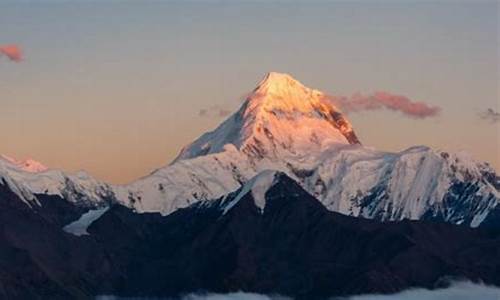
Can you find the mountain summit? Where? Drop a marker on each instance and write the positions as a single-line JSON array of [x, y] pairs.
[[280, 117]]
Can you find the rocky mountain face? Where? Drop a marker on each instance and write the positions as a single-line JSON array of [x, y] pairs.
[[269, 236], [38, 260]]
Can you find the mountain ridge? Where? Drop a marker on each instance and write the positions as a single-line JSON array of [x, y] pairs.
[[347, 177], [287, 127]]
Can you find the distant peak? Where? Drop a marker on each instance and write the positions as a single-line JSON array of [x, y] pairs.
[[28, 165]]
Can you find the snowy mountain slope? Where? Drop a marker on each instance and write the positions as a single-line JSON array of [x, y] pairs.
[[257, 186], [28, 165], [287, 127], [79, 227], [280, 121], [413, 184], [29, 179], [281, 117]]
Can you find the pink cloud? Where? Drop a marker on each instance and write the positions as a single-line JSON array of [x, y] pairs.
[[13, 52], [385, 100]]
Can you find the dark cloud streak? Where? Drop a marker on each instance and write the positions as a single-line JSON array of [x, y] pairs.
[[214, 111], [490, 115]]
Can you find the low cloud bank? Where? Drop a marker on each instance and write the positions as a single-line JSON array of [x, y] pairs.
[[229, 296], [456, 291]]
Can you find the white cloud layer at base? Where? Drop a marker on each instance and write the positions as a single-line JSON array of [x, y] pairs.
[[456, 291]]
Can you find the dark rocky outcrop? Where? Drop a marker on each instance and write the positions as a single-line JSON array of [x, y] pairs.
[[293, 247]]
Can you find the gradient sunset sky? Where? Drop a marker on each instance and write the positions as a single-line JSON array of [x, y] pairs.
[[117, 88]]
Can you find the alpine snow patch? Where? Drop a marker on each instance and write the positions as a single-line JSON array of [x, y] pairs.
[[257, 186]]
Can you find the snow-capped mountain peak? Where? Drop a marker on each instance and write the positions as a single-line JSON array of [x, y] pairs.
[[29, 178], [282, 90], [28, 165], [280, 117]]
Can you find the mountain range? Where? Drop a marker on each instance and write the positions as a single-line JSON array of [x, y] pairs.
[[281, 198], [283, 125]]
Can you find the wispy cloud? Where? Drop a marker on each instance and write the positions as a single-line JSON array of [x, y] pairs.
[[490, 115], [214, 111], [12, 52], [385, 100]]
